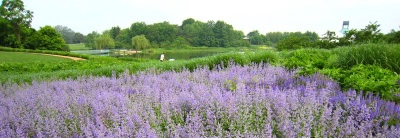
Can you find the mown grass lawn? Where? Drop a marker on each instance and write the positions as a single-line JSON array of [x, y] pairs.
[[19, 57], [80, 46]]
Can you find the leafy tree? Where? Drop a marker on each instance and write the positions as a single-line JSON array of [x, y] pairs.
[[89, 39], [78, 38], [15, 22], [162, 32], [294, 42], [329, 40], [66, 33], [138, 28], [370, 34], [312, 35], [256, 38], [274, 37], [179, 42], [393, 37], [123, 40], [114, 32], [193, 33], [104, 41], [47, 38], [188, 22], [140, 42]]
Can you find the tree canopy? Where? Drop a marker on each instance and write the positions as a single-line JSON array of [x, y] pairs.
[[15, 23], [47, 38], [140, 42]]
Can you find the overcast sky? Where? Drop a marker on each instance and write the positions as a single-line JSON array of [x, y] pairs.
[[85, 16]]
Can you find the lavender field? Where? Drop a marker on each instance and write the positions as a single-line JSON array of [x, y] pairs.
[[249, 101]]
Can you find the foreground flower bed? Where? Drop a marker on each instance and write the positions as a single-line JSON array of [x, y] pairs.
[[250, 101]]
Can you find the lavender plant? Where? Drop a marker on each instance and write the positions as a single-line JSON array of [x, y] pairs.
[[238, 101]]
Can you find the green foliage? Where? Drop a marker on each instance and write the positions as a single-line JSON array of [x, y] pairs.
[[306, 58], [66, 33], [295, 42], [64, 53], [89, 39], [114, 32], [123, 39], [368, 78], [14, 23], [13, 58], [79, 46], [140, 42], [104, 41], [329, 40], [393, 37], [47, 38], [162, 32], [386, 56], [370, 34]]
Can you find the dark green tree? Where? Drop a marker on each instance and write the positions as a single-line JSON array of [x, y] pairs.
[[15, 23], [123, 40], [162, 32], [114, 32], [188, 22], [193, 33], [393, 37], [256, 38], [138, 28], [89, 39], [370, 34], [78, 38], [104, 41], [140, 42], [47, 38]]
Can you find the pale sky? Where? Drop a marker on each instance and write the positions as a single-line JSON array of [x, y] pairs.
[[85, 16]]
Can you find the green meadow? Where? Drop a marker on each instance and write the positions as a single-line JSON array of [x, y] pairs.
[[22, 57]]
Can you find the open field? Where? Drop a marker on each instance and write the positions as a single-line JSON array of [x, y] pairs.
[[80, 46], [28, 57]]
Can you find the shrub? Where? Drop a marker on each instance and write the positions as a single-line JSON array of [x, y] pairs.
[[384, 55], [295, 42], [370, 78], [306, 58]]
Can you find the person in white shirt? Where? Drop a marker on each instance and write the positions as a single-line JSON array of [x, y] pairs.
[[162, 58]]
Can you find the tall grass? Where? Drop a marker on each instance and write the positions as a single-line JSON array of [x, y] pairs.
[[384, 55]]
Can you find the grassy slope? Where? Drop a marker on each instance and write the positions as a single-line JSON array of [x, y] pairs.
[[27, 57], [80, 46]]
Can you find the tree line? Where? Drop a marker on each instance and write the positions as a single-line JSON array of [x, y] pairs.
[[191, 33], [16, 32], [370, 34]]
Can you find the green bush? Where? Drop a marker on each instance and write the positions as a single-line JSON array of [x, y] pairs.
[[295, 42], [264, 57], [369, 79], [306, 58], [384, 55]]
